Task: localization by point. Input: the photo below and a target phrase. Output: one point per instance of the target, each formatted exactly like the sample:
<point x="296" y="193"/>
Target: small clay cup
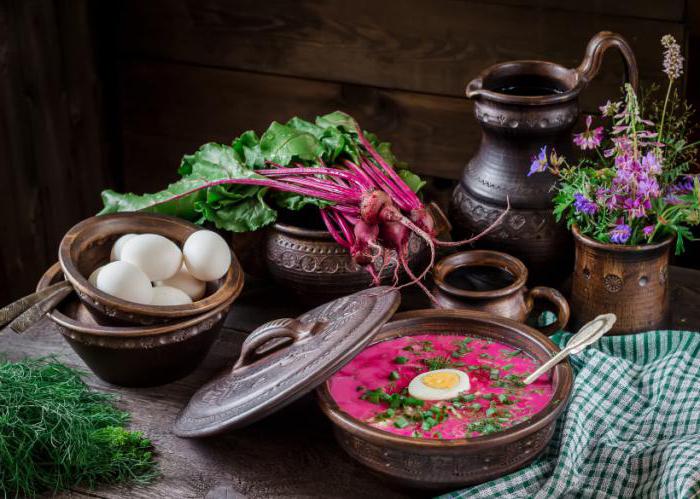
<point x="514" y="301"/>
<point x="135" y="356"/>
<point x="87" y="245"/>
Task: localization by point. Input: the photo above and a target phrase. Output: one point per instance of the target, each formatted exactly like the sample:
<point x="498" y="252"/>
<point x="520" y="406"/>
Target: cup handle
<point x="595" y="50"/>
<point x="557" y="299"/>
<point x="281" y="328"/>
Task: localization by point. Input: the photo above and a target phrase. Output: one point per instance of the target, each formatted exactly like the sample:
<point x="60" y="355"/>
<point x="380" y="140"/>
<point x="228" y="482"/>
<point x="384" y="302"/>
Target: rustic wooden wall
<point x="202" y="70"/>
<point x="53" y="153"/>
<point x="103" y="93"/>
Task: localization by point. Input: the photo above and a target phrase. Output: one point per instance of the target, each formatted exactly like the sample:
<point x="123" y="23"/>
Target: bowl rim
<point x="230" y="287"/>
<point x="120" y="331"/>
<point x="538" y="421"/>
<point x="469" y="258"/>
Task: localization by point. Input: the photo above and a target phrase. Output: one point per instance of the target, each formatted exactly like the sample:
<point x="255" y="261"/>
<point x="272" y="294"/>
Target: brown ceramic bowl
<point x="445" y="464"/>
<point x="87" y="245"/>
<point x="136" y="355"/>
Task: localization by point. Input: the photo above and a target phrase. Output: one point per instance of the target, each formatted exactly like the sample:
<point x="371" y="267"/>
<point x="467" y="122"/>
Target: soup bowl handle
<point x="557" y="299"/>
<point x="597" y="46"/>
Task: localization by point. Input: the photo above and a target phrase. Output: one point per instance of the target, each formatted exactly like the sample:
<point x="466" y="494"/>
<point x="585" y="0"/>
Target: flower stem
<point x="663" y="113"/>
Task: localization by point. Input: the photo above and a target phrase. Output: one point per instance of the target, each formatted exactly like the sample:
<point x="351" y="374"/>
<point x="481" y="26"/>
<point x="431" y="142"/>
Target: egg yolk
<point x="441" y="381"/>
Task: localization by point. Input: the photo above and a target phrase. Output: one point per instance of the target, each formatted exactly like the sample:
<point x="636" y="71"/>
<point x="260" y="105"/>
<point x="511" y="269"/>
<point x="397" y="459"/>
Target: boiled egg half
<point x="441" y="384"/>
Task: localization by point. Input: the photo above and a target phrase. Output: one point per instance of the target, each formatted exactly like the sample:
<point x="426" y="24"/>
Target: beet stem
<point x="332" y="230"/>
<point x="415" y="201"/>
<point x="488" y="229"/>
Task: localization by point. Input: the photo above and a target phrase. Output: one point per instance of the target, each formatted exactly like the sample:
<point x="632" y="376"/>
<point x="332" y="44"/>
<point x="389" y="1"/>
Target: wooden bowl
<point x="136" y="355"/>
<point x="449" y="464"/>
<point x="87" y="245"/>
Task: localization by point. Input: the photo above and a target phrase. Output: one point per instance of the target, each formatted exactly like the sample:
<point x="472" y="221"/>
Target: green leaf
<point x="293" y="201"/>
<point x="281" y="144"/>
<point x="337" y="119"/>
<point x="174" y="200"/>
<point x="413" y="181"/>
<point x="247" y="146"/>
<point x="305" y="126"/>
<point x="248" y="215"/>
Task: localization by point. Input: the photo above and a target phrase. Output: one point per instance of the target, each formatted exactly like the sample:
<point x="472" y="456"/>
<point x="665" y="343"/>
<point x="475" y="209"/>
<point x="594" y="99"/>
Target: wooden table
<point x="289" y="454"/>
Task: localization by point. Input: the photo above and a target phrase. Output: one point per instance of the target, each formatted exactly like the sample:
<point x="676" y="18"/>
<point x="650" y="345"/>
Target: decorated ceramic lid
<point x="284" y="359"/>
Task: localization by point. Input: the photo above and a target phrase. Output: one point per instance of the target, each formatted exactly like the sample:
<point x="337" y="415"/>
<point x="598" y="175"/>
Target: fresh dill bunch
<point x="56" y="433"/>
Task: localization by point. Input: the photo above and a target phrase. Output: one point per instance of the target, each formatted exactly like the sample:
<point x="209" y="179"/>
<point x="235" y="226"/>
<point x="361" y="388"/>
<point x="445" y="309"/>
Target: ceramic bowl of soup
<point x="438" y="401"/>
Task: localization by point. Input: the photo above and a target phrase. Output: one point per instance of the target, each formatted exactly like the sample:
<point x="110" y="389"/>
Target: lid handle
<point x="273" y="330"/>
<point x="593" y="58"/>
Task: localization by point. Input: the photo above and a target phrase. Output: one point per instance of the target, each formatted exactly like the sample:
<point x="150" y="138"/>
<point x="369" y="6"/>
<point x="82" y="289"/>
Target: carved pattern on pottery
<point x="513" y="120"/>
<point x="318" y="257"/>
<point x="517" y="225"/>
<point x="461" y="466"/>
<point x="663" y="274"/>
<point x="613" y="283"/>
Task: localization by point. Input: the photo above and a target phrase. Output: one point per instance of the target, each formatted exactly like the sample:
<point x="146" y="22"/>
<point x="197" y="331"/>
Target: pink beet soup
<point x="373" y="387"/>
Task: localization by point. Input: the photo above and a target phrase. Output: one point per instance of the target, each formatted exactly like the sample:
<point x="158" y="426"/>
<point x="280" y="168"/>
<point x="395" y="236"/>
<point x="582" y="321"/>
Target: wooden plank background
<point x="113" y="93"/>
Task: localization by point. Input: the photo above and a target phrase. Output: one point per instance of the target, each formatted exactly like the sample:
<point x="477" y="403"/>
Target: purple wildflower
<point x="683" y="186"/>
<point x="620" y="234"/>
<point x="584" y="205"/>
<point x="539" y="162"/>
<point x="610" y="109"/>
<point x="673" y="60"/>
<point x="589" y="139"/>
<point x="651" y="164"/>
<point x="648" y="230"/>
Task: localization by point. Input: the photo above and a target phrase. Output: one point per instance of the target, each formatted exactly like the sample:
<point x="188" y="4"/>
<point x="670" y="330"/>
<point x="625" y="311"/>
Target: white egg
<point x="93" y="277"/>
<point x="118" y="246"/>
<point x="125" y="281"/>
<point x="441" y="384"/>
<point x="167" y="295"/>
<point x="186" y="282"/>
<point x="157" y="256"/>
<point x="207" y="256"/>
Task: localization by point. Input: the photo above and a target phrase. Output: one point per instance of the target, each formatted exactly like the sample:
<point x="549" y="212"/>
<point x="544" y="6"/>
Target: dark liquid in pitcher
<point x="479" y="278"/>
<point x="526" y="85"/>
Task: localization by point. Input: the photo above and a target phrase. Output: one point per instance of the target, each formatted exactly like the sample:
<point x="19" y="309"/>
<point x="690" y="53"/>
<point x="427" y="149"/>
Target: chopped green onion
<point x="394" y="375"/>
<point x="401" y="422"/>
<point x="401" y="360"/>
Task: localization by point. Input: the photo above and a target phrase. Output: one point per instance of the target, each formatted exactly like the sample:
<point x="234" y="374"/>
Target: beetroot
<point x="365" y="204"/>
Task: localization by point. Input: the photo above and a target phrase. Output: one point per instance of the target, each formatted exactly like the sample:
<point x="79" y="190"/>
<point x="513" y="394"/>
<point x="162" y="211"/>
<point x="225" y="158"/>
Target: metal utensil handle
<point x="595" y="50"/>
<point x="36" y="312"/>
<point x="14" y="309"/>
<point x="547" y="366"/>
<point x="588" y="334"/>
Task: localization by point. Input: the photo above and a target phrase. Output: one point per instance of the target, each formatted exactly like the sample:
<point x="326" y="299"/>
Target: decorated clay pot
<point x="522" y="106"/>
<point x="629" y="281"/>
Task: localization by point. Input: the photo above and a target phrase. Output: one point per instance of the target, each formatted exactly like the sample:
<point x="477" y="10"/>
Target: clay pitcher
<point x="522" y="106"/>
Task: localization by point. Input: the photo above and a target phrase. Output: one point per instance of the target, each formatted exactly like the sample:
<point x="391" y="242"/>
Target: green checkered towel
<point x="631" y="428"/>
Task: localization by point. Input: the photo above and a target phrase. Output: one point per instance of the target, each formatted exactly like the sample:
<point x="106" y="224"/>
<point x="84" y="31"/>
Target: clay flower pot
<point x="629" y="281"/>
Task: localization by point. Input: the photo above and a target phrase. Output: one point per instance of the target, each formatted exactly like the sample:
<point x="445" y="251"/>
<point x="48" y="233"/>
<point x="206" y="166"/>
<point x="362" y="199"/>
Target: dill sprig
<point x="56" y="433"/>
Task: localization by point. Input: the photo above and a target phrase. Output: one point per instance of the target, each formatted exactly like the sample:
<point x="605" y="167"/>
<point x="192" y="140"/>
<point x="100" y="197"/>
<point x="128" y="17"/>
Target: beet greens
<point x="368" y="201"/>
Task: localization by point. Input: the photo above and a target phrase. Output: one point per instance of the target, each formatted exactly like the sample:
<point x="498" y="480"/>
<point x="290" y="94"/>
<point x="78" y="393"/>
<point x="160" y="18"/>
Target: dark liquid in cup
<point x="530" y="86"/>
<point x="479" y="278"/>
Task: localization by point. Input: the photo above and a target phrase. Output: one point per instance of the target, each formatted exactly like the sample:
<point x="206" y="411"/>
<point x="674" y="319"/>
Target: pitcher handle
<point x="595" y="50"/>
